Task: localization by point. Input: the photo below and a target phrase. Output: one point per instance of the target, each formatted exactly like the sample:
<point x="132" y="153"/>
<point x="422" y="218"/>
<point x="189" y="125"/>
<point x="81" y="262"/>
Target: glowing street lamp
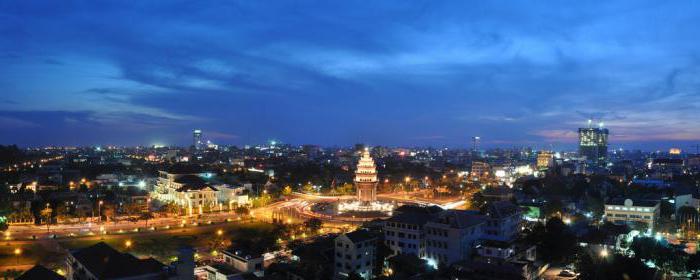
<point x="604" y="253"/>
<point x="18" y="252"/>
<point x="127" y="244"/>
<point x="219" y="232"/>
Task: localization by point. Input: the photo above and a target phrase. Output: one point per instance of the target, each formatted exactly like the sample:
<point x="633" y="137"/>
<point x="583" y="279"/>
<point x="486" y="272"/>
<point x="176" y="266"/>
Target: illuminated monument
<point x="366" y="204"/>
<point x="366" y="179"/>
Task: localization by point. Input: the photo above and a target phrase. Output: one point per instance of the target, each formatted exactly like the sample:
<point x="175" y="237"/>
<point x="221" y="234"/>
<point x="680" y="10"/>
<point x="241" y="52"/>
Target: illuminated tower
<point x="197" y="139"/>
<point x="366" y="178"/>
<point x="476" y="140"/>
<point x="593" y="143"/>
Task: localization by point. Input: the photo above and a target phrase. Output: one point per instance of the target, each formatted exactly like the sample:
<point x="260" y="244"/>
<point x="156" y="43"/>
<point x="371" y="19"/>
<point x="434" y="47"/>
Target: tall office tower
<point x="366" y="179"/>
<point x="475" y="145"/>
<point x="545" y="160"/>
<point x="197" y="139"/>
<point x="593" y="143"/>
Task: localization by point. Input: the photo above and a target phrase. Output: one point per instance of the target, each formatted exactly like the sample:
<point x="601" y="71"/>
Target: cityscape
<point x="337" y="140"/>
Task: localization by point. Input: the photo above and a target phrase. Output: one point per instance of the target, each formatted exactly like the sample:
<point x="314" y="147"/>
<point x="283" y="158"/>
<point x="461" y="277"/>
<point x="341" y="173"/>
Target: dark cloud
<point x="383" y="72"/>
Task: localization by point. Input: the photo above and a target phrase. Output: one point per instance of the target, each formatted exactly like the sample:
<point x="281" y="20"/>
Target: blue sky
<point x="413" y="73"/>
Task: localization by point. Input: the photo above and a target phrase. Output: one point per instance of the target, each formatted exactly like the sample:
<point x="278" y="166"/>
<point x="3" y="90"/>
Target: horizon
<point x="389" y="73"/>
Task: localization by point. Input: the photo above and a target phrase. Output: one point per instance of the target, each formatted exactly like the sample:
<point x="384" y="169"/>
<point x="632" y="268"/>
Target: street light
<point x="219" y="232"/>
<point x="127" y="244"/>
<point x="99" y="209"/>
<point x="18" y="251"/>
<point x="604" y="253"/>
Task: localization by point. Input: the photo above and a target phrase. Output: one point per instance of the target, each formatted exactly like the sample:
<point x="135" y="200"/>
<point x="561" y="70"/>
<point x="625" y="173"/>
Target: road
<point x="297" y="203"/>
<point x="32" y="232"/>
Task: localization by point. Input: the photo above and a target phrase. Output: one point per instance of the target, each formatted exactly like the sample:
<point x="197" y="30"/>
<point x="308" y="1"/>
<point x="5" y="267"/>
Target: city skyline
<point x="387" y="74"/>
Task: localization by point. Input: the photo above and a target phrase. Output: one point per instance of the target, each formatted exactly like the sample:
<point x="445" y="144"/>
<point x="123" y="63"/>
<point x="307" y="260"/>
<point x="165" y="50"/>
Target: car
<point x="567" y="273"/>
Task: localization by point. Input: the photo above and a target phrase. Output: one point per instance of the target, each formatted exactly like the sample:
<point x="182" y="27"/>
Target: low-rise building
<point x="450" y="237"/>
<point x="246" y="262"/>
<point x="217" y="271"/>
<point x="186" y="187"/>
<point x="355" y="252"/>
<point x="627" y="211"/>
<point x="503" y="221"/>
<point x="480" y="170"/>
<point x="100" y="261"/>
<point x="404" y="233"/>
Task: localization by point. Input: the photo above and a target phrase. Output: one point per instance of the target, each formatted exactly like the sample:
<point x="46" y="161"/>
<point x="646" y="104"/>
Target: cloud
<point x="338" y="72"/>
<point x="10" y="122"/>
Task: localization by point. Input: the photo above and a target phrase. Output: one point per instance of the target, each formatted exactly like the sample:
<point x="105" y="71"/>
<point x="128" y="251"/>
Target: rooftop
<point x="460" y="218"/>
<point x="105" y="262"/>
<point x="360" y="235"/>
<point x="634" y="202"/>
<point x="40" y="272"/>
<point x="501" y="209"/>
<point x="192" y="182"/>
<point x="184" y="169"/>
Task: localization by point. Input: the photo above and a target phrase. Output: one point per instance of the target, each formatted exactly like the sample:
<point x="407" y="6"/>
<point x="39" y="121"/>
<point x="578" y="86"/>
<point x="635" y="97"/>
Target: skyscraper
<point x="593" y="143"/>
<point x="197" y="139"/>
<point x="476" y="140"/>
<point x="366" y="179"/>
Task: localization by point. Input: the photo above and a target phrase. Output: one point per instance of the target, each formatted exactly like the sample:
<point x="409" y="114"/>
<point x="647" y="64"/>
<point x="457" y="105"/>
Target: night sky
<point x="410" y="73"/>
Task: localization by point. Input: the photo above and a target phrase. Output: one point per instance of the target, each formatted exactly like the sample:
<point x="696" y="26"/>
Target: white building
<point x="232" y="196"/>
<point x="480" y="170"/>
<point x="355" y="252"/>
<point x="404" y="233"/>
<point x="188" y="189"/>
<point x="451" y="237"/>
<point x="503" y="221"/>
<point x="218" y="272"/>
<point x="629" y="212"/>
<point x="245" y="262"/>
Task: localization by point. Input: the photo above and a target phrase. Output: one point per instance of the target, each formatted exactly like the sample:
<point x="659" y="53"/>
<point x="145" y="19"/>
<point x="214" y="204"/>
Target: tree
<point x="170" y="208"/>
<point x="552" y="207"/>
<point x="308" y="188"/>
<point x="693" y="262"/>
<point x="405" y="266"/>
<point x="62" y="214"/>
<point x="242" y="211"/>
<point x="131" y="209"/>
<point x="313" y="224"/>
<point x="592" y="266"/>
<point x="287" y="190"/>
<point x="555" y="240"/>
<point x="146" y="216"/>
<point x="46" y="215"/>
<point x="354" y="276"/>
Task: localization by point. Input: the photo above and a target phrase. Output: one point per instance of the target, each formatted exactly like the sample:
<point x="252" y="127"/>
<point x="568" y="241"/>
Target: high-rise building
<point x="545" y="160"/>
<point x="476" y="140"/>
<point x="593" y="143"/>
<point x="366" y="178"/>
<point x="197" y="139"/>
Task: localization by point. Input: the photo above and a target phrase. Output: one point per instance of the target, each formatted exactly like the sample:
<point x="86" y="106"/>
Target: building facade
<point x="628" y="211"/>
<point x="451" y="237"/>
<point x="503" y="221"/>
<point x="593" y="144"/>
<point x="188" y="190"/>
<point x="545" y="160"/>
<point x="355" y="252"/>
<point x="404" y="233"/>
